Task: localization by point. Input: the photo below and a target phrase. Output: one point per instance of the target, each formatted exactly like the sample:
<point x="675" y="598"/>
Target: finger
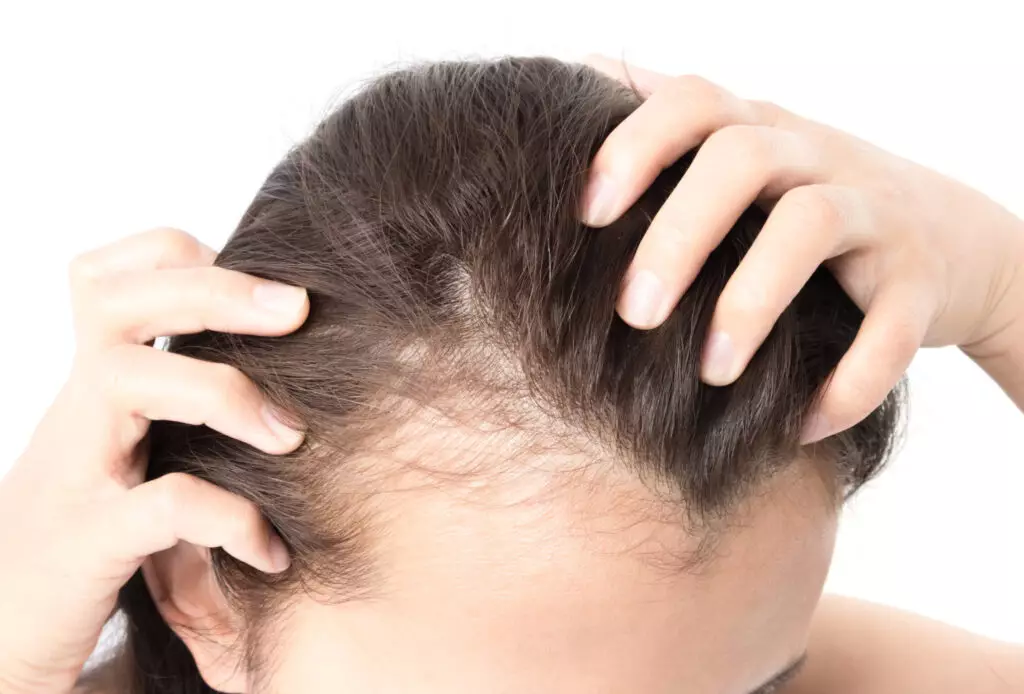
<point x="893" y="329"/>
<point x="164" y="247"/>
<point x="734" y="167"/>
<point x="140" y="306"/>
<point x="645" y="82"/>
<point x="177" y="507"/>
<point x="137" y="384"/>
<point x="809" y="225"/>
<point x="672" y="121"/>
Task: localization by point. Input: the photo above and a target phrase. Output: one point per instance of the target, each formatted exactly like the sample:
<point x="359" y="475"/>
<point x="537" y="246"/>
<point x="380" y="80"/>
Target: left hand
<point x="928" y="259"/>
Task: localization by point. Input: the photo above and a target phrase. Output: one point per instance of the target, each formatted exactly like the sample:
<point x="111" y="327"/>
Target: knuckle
<point x="229" y="377"/>
<point x="202" y="289"/>
<point x="110" y="371"/>
<point x="227" y="387"/>
<point x="697" y="86"/>
<point x="172" y="494"/>
<point x="674" y="242"/>
<point x="746" y="143"/>
<point x="813" y="207"/>
<point x="897" y="194"/>
<point x="105" y="297"/>
<point x="215" y="285"/>
<point x="174" y="241"/>
<point x="83" y="269"/>
<point x="766" y="112"/>
<point x="712" y="100"/>
<point x="745" y="300"/>
<point x="245" y="523"/>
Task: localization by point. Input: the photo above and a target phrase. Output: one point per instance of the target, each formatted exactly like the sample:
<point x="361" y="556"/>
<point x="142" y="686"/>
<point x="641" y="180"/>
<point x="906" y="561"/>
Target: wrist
<point x="12" y="684"/>
<point x="16" y="677"/>
<point x="1001" y="331"/>
<point x="1001" y="352"/>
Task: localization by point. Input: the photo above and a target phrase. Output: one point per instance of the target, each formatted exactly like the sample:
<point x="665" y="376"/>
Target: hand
<point x="929" y="260"/>
<point x="76" y="521"/>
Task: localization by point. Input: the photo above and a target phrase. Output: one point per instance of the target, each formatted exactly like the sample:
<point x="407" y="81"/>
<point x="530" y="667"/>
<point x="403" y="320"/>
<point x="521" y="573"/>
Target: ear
<point x="184" y="588"/>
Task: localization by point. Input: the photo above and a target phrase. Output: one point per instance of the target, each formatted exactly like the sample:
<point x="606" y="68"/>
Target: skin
<point x="514" y="600"/>
<point x="73" y="514"/>
<point x="930" y="261"/>
<point x="558" y="594"/>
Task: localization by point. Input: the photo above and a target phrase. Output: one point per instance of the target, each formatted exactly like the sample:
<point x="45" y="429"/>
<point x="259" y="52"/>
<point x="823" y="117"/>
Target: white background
<point x="114" y="119"/>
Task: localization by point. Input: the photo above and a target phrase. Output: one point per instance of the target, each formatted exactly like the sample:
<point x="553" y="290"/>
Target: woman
<point x="431" y="458"/>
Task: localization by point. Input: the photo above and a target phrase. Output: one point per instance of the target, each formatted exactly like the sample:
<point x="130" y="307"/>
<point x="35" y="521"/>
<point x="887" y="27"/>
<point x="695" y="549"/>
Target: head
<point x="503" y="487"/>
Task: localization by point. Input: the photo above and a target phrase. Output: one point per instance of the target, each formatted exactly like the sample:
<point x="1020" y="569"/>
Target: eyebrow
<point x="785" y="675"/>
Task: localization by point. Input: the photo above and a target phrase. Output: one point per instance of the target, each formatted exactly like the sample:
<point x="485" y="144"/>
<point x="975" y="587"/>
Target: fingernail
<point x="643" y="299"/>
<point x="279" y="558"/>
<point x="279" y="298"/>
<point x="816" y="428"/>
<point x="284" y="433"/>
<point x="719" y="359"/>
<point x="600" y="201"/>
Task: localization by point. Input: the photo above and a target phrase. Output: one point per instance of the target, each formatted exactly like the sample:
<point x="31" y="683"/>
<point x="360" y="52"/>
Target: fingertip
<point x="816" y="428"/>
<point x="643" y="301"/>
<point x="720" y="365"/>
<point x="285" y="438"/>
<point x="600" y="200"/>
<point x="283" y="302"/>
<point x="277" y="552"/>
<point x="303" y="312"/>
<point x="628" y="319"/>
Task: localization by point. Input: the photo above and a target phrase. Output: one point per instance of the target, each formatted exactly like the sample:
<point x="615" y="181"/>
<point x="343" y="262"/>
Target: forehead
<point x="528" y="587"/>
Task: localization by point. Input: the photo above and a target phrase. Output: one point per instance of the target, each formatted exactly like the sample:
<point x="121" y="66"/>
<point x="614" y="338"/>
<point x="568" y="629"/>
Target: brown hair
<point x="434" y="219"/>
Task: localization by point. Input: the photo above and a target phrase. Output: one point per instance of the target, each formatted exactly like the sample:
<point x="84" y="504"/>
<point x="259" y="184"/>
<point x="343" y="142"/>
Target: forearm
<point x="861" y="648"/>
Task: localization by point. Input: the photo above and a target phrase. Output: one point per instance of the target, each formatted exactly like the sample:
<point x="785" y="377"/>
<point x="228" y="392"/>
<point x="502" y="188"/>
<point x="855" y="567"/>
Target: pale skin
<point x="533" y="598"/>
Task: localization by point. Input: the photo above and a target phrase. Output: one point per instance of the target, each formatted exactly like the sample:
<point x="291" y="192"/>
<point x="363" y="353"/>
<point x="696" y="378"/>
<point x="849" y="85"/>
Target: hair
<point x="434" y="219"/>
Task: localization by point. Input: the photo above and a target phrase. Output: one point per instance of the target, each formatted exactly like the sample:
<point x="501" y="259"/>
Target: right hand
<point x="76" y="519"/>
<point x="930" y="261"/>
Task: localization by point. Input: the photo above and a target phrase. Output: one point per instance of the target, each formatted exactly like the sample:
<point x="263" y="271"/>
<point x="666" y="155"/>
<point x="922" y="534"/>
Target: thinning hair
<point x="434" y="219"/>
